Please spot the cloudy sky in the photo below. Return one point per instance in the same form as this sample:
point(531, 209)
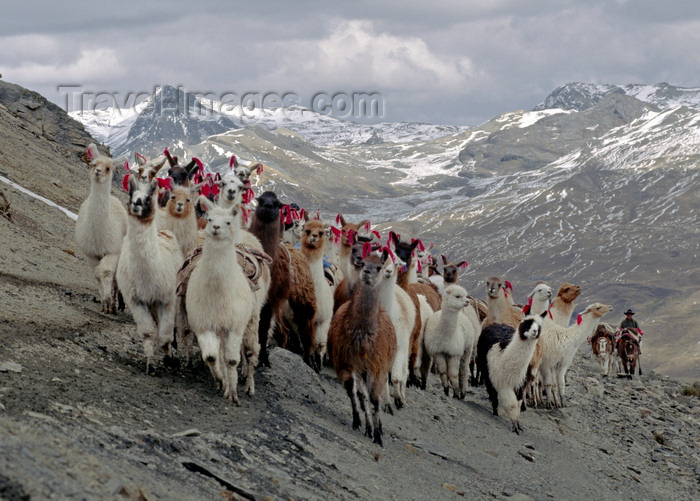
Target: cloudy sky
point(457, 62)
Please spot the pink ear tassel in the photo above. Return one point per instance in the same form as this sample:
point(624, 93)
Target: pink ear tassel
point(367, 226)
point(246, 214)
point(126, 165)
point(125, 182)
point(88, 153)
point(463, 264)
point(366, 249)
point(420, 245)
point(420, 267)
point(337, 219)
point(579, 319)
point(259, 169)
point(141, 157)
point(550, 314)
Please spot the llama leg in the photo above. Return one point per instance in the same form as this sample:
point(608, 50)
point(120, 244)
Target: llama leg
point(104, 273)
point(263, 332)
point(453, 364)
point(363, 396)
point(349, 385)
point(232, 357)
point(510, 408)
point(146, 327)
point(321, 342)
point(183, 334)
point(493, 396)
point(425, 363)
point(304, 314)
point(561, 386)
point(251, 350)
point(441, 367)
point(374, 398)
point(209, 346)
point(387, 399)
point(166, 328)
point(464, 373)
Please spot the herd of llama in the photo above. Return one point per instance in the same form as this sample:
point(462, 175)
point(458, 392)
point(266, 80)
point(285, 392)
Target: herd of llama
point(208, 269)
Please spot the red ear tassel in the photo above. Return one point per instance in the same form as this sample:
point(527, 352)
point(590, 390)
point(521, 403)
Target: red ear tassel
point(336, 234)
point(366, 249)
point(509, 285)
point(232, 162)
point(337, 219)
point(301, 214)
point(141, 157)
point(126, 165)
point(248, 196)
point(550, 314)
point(391, 254)
point(367, 226)
point(200, 165)
point(215, 190)
point(420, 267)
point(259, 170)
point(125, 182)
point(246, 215)
point(88, 153)
point(165, 183)
point(204, 190)
point(317, 217)
point(166, 152)
point(579, 319)
point(526, 308)
point(377, 234)
point(420, 245)
point(351, 237)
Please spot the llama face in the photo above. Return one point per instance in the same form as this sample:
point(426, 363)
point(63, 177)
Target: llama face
point(180, 203)
point(569, 292)
point(494, 285)
point(530, 327)
point(455, 297)
point(372, 267)
point(597, 310)
point(142, 199)
point(268, 208)
point(232, 189)
point(220, 223)
point(542, 292)
point(101, 170)
point(313, 235)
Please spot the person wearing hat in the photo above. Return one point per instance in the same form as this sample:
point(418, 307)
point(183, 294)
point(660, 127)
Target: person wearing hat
point(631, 324)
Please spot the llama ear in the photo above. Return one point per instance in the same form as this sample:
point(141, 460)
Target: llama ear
point(385, 255)
point(91, 152)
point(444, 259)
point(171, 161)
point(462, 264)
point(233, 162)
point(139, 158)
point(204, 201)
point(159, 164)
point(122, 160)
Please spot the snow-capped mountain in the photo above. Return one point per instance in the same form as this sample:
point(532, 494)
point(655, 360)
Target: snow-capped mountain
point(597, 186)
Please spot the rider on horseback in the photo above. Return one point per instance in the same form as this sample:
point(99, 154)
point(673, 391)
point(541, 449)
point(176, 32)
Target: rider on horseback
point(630, 327)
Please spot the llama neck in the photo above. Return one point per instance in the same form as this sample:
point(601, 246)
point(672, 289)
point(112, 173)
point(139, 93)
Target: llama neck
point(449, 317)
point(219, 256)
point(539, 306)
point(585, 328)
point(364, 309)
point(402, 280)
point(269, 235)
point(98, 200)
point(315, 258)
point(142, 239)
point(516, 357)
point(387, 294)
point(413, 272)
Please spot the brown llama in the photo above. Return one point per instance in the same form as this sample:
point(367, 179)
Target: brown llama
point(629, 351)
point(500, 309)
point(563, 304)
point(363, 346)
point(291, 283)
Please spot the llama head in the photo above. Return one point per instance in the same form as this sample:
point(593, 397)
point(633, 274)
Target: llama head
point(372, 266)
point(531, 326)
point(541, 292)
point(403, 250)
point(569, 292)
point(221, 221)
point(142, 199)
point(244, 172)
point(495, 287)
point(313, 235)
point(232, 189)
point(101, 167)
point(351, 228)
point(454, 298)
point(595, 311)
point(183, 174)
point(359, 250)
point(146, 170)
point(268, 209)
point(450, 271)
point(180, 202)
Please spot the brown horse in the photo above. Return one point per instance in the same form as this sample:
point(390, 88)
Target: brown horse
point(603, 345)
point(628, 350)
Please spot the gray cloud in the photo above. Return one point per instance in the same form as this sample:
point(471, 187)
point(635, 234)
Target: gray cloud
point(457, 62)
